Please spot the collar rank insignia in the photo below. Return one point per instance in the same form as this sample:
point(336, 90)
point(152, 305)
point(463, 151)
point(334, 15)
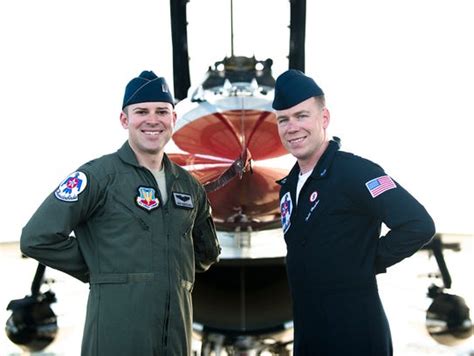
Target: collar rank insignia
point(183, 200)
point(147, 198)
point(71, 187)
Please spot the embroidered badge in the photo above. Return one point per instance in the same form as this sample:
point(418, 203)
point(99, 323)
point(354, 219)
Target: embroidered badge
point(147, 199)
point(379, 185)
point(313, 196)
point(71, 187)
point(311, 210)
point(286, 207)
point(183, 200)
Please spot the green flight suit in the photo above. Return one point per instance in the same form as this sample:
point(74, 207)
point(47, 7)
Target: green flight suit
point(138, 256)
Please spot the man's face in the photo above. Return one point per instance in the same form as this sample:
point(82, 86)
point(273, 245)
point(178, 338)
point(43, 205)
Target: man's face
point(302, 128)
point(150, 126)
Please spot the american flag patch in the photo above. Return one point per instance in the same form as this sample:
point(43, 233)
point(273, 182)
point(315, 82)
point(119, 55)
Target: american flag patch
point(379, 185)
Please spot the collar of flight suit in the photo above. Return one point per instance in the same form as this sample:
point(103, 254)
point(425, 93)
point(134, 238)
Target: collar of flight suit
point(322, 167)
point(127, 155)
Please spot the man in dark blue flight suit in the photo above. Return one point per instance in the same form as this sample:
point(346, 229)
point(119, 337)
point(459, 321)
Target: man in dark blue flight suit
point(333, 204)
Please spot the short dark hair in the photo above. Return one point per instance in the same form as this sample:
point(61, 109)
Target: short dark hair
point(321, 100)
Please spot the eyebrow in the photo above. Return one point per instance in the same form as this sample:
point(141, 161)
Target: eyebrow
point(139, 108)
point(164, 107)
point(302, 112)
point(294, 114)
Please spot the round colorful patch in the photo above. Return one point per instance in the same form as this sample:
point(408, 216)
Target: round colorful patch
point(286, 207)
point(71, 187)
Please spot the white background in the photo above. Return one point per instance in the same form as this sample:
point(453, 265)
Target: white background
point(398, 77)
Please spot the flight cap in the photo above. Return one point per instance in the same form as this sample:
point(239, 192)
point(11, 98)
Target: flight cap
point(292, 87)
point(147, 87)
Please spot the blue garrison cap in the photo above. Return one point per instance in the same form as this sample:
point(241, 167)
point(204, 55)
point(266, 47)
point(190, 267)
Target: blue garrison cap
point(292, 87)
point(145, 88)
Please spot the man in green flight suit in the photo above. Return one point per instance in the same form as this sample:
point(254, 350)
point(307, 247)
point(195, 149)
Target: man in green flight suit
point(141, 228)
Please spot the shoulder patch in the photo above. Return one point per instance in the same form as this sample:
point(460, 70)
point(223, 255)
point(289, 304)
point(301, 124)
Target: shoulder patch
point(286, 207)
point(380, 185)
point(71, 187)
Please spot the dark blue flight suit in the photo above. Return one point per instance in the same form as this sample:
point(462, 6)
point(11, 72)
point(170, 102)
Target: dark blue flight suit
point(335, 251)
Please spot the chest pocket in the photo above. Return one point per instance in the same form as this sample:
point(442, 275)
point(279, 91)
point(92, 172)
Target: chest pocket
point(319, 198)
point(123, 233)
point(183, 212)
point(331, 219)
point(312, 207)
point(183, 221)
point(129, 213)
point(125, 225)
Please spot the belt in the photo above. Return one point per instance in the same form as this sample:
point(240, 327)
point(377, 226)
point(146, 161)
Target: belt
point(122, 278)
point(104, 278)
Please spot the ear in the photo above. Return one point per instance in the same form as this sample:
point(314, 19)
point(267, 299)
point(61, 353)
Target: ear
point(124, 120)
point(326, 118)
point(174, 118)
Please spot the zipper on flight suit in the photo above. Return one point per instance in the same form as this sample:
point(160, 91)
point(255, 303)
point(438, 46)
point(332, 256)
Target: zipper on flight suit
point(168, 296)
point(165, 211)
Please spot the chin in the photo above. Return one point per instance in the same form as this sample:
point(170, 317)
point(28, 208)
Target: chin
point(299, 154)
point(151, 150)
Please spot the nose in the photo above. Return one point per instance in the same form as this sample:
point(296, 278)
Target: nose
point(154, 118)
point(291, 126)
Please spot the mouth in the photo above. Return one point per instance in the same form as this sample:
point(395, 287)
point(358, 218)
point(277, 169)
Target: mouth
point(152, 132)
point(296, 141)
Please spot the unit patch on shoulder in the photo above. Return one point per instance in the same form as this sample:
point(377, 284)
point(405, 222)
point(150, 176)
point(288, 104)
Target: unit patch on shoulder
point(71, 187)
point(286, 207)
point(183, 200)
point(379, 185)
point(147, 199)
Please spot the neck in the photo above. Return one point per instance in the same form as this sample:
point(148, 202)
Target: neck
point(151, 161)
point(309, 163)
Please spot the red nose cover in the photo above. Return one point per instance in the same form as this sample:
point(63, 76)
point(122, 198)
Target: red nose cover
point(213, 143)
point(225, 134)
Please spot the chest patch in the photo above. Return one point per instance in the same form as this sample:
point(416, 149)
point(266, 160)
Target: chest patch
point(286, 207)
point(183, 200)
point(379, 185)
point(71, 187)
point(314, 203)
point(311, 210)
point(147, 199)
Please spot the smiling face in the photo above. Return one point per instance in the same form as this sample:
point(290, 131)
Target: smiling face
point(302, 130)
point(150, 126)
